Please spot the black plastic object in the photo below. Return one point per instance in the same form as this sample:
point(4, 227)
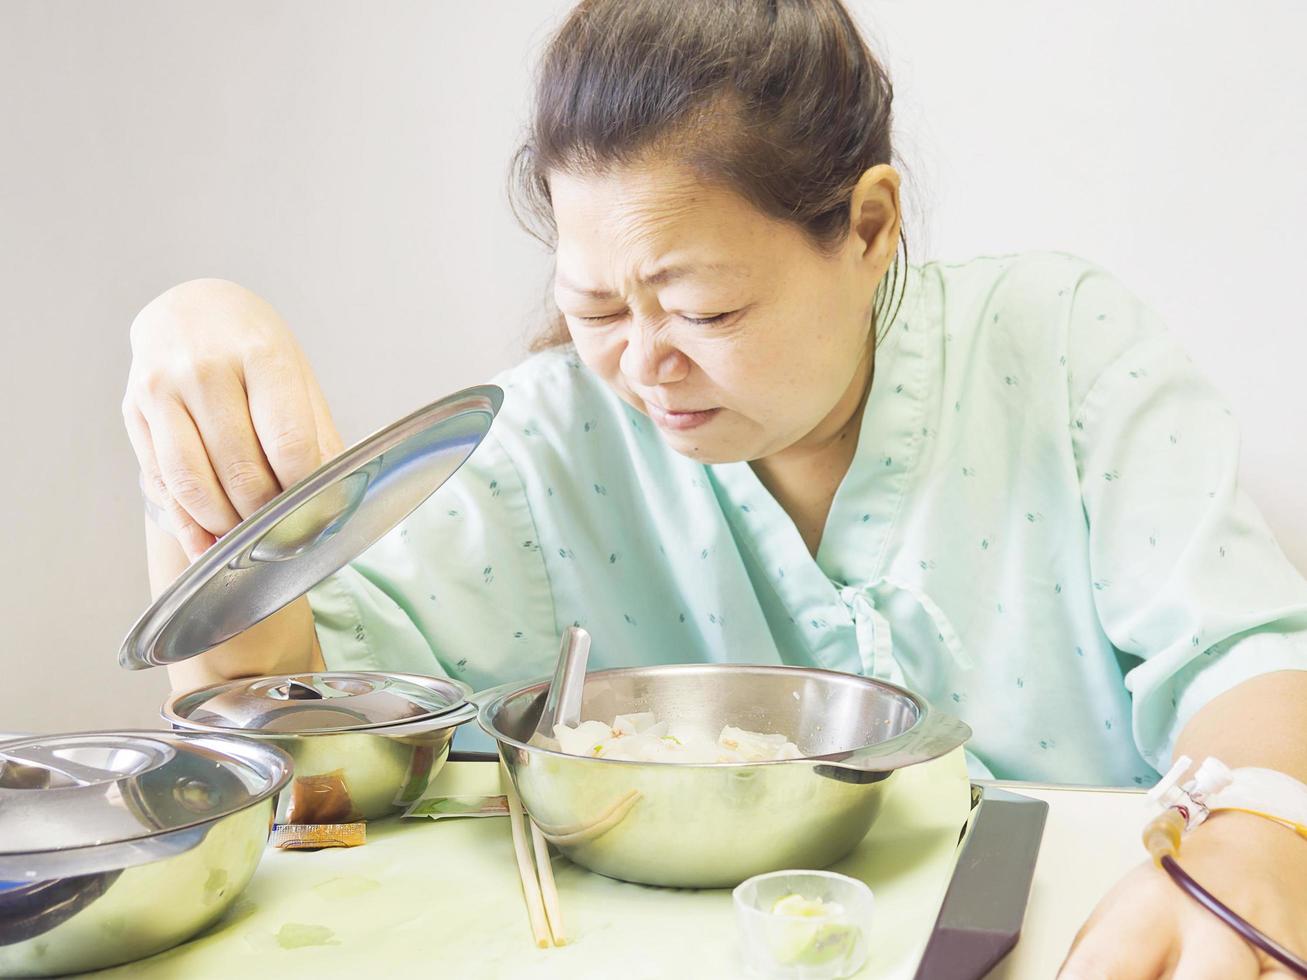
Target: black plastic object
point(980, 920)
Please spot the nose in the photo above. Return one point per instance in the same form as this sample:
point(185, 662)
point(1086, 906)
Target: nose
point(650, 358)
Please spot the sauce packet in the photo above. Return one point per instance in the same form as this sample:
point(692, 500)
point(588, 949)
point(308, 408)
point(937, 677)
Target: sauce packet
point(313, 836)
point(323, 798)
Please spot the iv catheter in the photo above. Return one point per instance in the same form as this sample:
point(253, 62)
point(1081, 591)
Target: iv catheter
point(1261, 792)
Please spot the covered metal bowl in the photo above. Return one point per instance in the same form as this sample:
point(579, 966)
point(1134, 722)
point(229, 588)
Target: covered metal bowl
point(117, 845)
point(365, 744)
point(713, 825)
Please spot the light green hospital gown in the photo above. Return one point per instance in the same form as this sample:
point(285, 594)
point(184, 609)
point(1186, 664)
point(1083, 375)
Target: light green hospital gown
point(1041, 532)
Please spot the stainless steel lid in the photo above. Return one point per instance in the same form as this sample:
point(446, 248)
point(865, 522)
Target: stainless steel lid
point(303, 535)
point(61, 793)
point(321, 702)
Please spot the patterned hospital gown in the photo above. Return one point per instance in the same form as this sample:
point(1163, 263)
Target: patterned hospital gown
point(1041, 532)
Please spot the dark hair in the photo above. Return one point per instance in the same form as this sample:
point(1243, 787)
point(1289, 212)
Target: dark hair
point(780, 100)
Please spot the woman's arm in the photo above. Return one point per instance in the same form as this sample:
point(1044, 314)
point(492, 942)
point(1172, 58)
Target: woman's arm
point(1261, 722)
point(1196, 588)
point(1146, 927)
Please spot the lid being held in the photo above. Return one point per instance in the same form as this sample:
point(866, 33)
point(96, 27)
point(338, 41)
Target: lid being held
point(321, 702)
point(303, 535)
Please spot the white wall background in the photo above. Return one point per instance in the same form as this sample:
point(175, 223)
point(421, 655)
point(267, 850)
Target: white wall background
point(347, 161)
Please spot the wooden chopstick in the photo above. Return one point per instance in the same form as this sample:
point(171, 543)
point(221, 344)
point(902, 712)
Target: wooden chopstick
point(548, 889)
point(541, 894)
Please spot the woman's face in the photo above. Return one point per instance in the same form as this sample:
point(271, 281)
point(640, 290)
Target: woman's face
point(729, 329)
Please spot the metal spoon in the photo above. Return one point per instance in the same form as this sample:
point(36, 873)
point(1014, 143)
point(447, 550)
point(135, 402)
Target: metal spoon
point(563, 699)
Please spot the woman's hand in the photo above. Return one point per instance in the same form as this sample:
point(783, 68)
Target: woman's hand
point(221, 407)
point(223, 412)
point(1147, 928)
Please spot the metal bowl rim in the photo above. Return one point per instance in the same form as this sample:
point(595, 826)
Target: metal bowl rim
point(170, 714)
point(277, 760)
point(497, 697)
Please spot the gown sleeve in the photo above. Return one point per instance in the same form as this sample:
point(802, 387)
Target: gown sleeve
point(1189, 584)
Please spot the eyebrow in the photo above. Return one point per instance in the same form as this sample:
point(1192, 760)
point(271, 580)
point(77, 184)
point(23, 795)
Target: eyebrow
point(660, 277)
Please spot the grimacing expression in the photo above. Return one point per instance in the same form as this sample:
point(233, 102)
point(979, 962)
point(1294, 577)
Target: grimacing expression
point(731, 330)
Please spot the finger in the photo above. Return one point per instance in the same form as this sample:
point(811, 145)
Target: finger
point(1273, 969)
point(1214, 952)
point(282, 414)
point(329, 441)
point(1119, 945)
point(218, 405)
point(185, 467)
point(194, 540)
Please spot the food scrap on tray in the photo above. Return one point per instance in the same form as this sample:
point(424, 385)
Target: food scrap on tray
point(642, 738)
point(440, 807)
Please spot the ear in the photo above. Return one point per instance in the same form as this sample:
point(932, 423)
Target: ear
point(874, 217)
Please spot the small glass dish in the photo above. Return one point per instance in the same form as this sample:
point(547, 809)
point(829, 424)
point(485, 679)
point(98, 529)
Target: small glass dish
point(803, 925)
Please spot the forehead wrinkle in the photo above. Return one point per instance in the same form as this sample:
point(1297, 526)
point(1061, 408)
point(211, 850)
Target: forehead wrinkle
point(640, 230)
point(640, 223)
point(669, 261)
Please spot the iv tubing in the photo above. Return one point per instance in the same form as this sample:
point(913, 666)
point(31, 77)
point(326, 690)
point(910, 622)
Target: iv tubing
point(1162, 838)
point(1238, 923)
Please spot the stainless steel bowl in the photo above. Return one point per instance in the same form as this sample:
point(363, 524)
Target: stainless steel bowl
point(712, 826)
point(365, 744)
point(117, 845)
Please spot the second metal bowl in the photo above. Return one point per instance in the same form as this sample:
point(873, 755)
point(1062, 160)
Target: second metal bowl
point(712, 826)
point(365, 744)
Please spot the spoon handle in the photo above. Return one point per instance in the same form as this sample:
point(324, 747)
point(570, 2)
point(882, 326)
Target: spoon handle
point(563, 699)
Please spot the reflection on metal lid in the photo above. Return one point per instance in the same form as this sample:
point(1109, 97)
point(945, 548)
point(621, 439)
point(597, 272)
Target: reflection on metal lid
point(321, 702)
point(59, 792)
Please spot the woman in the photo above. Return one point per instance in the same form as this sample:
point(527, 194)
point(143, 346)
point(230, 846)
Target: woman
point(757, 435)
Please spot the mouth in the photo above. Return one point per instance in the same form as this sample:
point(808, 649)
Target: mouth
point(680, 421)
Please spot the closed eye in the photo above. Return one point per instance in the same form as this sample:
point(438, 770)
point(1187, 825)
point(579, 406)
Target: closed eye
point(705, 319)
point(699, 320)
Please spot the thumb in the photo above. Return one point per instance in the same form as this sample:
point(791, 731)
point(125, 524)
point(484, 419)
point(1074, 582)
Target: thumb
point(1121, 941)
